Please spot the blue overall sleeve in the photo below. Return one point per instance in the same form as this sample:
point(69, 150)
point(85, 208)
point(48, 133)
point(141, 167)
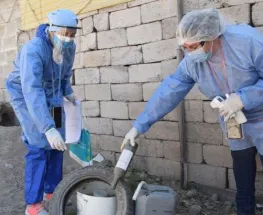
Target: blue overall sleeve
point(65, 82)
point(252, 96)
point(167, 96)
point(31, 72)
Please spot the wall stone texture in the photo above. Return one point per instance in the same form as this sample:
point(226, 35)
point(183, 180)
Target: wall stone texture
point(10, 40)
point(123, 53)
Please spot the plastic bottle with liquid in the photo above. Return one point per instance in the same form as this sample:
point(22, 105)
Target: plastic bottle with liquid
point(123, 163)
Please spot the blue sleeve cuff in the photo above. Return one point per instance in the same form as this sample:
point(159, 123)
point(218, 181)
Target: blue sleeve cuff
point(247, 104)
point(141, 129)
point(49, 127)
point(68, 91)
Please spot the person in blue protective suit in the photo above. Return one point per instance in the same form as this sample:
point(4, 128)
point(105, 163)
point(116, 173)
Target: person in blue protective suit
point(221, 59)
point(40, 80)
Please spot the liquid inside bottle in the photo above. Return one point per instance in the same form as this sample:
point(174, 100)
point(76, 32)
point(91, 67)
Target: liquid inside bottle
point(123, 163)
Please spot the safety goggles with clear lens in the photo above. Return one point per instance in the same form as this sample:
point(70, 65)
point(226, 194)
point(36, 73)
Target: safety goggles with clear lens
point(187, 50)
point(67, 32)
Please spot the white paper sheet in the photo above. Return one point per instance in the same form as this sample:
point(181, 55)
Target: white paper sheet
point(99, 158)
point(73, 121)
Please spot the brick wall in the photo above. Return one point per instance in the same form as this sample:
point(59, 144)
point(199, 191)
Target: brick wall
point(123, 53)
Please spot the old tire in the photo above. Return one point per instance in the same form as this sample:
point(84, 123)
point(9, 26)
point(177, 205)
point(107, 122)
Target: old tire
point(70, 183)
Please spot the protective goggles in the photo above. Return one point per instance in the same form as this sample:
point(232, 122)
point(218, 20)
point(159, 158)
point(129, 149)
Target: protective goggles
point(186, 50)
point(60, 28)
point(63, 31)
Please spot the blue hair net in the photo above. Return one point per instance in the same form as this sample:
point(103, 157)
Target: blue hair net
point(62, 18)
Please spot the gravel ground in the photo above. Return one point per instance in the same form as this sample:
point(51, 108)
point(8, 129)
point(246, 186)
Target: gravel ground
point(191, 202)
point(12, 171)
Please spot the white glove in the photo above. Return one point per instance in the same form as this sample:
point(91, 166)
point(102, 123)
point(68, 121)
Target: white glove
point(230, 106)
point(72, 98)
point(55, 140)
point(130, 136)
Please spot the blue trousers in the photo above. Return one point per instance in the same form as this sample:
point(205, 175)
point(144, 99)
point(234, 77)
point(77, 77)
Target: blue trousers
point(43, 172)
point(244, 166)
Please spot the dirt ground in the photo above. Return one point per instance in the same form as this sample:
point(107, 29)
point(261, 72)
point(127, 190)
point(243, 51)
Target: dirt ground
point(191, 202)
point(11, 171)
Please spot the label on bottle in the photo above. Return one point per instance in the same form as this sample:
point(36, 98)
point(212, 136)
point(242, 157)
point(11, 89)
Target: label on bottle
point(124, 159)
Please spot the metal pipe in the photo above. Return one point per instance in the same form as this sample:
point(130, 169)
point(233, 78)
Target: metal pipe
point(181, 114)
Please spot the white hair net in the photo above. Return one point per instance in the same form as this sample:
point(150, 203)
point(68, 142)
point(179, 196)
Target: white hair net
point(200, 25)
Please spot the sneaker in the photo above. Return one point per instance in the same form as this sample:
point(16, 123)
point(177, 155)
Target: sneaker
point(36, 209)
point(46, 200)
point(48, 196)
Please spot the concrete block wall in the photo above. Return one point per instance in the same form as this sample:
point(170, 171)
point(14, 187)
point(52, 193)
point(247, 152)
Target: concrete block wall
point(210, 162)
point(123, 53)
point(133, 47)
point(9, 31)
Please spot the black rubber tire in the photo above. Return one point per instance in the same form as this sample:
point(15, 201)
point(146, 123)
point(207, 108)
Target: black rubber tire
point(125, 204)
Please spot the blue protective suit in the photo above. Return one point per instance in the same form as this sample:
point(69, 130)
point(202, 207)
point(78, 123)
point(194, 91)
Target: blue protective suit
point(35, 86)
point(243, 51)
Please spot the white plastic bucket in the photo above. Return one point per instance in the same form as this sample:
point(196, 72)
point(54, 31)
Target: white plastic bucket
point(96, 204)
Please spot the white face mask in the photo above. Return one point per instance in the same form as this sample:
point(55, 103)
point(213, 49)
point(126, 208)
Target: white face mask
point(60, 42)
